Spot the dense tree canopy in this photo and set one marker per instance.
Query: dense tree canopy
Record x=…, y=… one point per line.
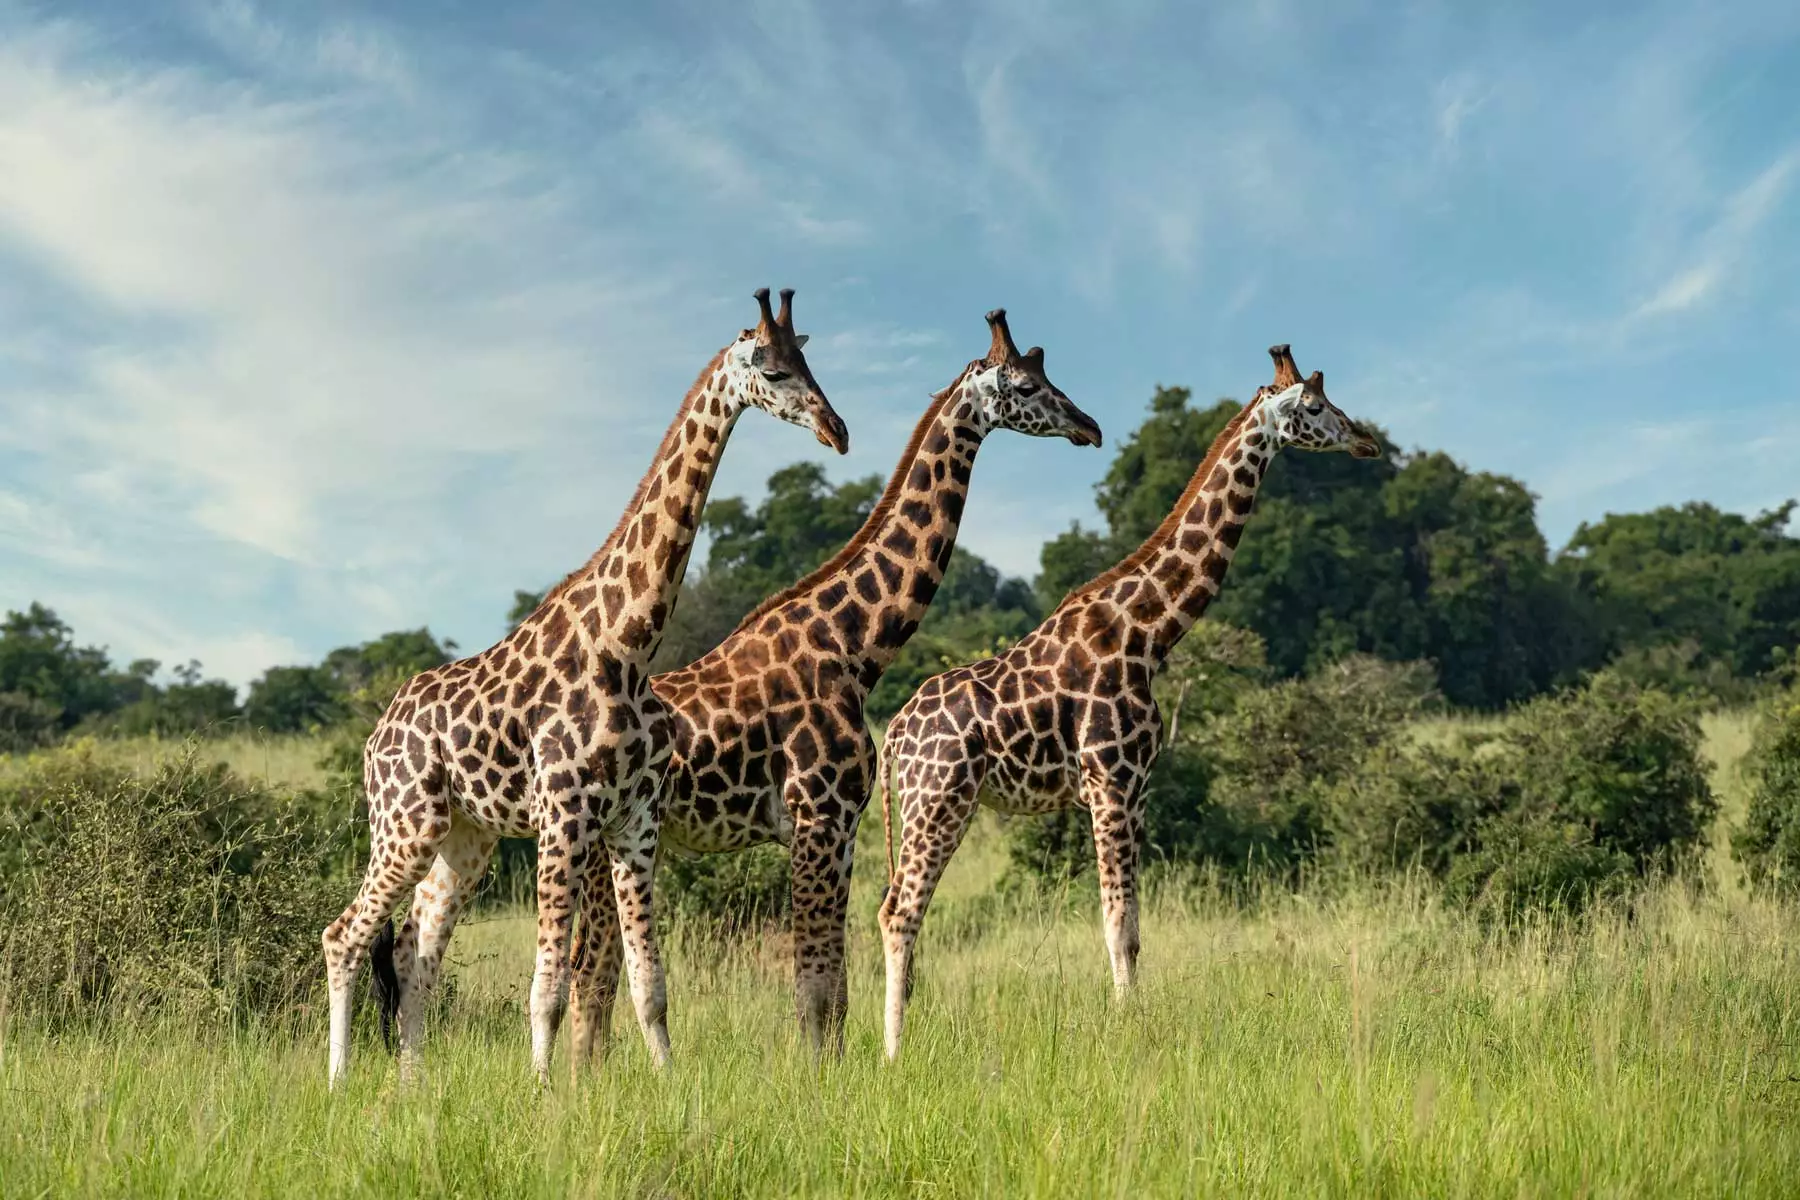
x=1727, y=584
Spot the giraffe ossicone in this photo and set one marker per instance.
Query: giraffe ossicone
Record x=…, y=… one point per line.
x=770, y=742
x=554, y=733
x=1065, y=715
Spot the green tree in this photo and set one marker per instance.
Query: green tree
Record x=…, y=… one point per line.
x=1729, y=584
x=402, y=653
x=294, y=699
x=190, y=704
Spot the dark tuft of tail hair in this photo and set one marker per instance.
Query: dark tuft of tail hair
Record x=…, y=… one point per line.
x=385, y=982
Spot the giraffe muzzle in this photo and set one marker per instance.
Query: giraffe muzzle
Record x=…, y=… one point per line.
x=1083, y=429
x=831, y=431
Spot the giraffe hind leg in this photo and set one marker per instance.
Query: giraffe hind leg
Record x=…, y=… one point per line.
x=598, y=955
x=633, y=853
x=398, y=859
x=934, y=816
x=438, y=901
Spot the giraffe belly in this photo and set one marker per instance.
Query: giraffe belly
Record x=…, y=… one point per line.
x=1017, y=791
x=711, y=823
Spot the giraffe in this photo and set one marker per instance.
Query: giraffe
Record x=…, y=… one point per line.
x=1065, y=715
x=770, y=743
x=554, y=732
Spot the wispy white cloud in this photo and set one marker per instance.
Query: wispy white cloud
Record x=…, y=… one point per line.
x=1725, y=249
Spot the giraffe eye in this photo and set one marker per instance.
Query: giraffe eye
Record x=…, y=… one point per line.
x=1026, y=388
x=774, y=376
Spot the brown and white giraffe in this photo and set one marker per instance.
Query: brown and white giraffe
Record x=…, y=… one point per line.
x=1065, y=715
x=770, y=743
x=554, y=732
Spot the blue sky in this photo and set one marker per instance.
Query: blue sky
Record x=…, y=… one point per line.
x=318, y=321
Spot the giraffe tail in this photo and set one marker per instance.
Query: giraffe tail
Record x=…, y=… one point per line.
x=385, y=981
x=884, y=779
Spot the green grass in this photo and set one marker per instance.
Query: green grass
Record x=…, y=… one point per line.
x=280, y=760
x=1374, y=1043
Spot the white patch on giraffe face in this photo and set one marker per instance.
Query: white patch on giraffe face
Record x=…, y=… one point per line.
x=1011, y=396
x=1306, y=420
x=779, y=384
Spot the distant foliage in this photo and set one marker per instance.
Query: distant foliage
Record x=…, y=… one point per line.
x=1570, y=798
x=1727, y=584
x=187, y=890
x=49, y=685
x=733, y=894
x=295, y=699
x=1768, y=844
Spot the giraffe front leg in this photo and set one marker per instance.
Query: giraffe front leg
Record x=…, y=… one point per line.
x=932, y=825
x=1118, y=824
x=563, y=851
x=599, y=953
x=822, y=850
x=634, y=875
x=438, y=902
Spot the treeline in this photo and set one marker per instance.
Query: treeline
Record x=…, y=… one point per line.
x=50, y=686
x=1410, y=558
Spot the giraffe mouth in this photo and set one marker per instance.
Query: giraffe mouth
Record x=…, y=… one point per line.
x=831, y=431
x=1365, y=447
x=1084, y=431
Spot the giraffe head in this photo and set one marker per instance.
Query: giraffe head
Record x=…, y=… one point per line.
x=1012, y=391
x=1301, y=416
x=765, y=369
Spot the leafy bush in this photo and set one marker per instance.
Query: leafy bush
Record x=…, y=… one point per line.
x=1573, y=797
x=1624, y=762
x=1419, y=806
x=1679, y=669
x=1243, y=787
x=1768, y=844
x=186, y=890
x=730, y=894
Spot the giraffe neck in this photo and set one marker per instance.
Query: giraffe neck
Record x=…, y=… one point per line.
x=876, y=589
x=621, y=599
x=1167, y=583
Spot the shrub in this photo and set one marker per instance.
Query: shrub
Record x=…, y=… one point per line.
x=729, y=894
x=1419, y=806
x=1571, y=798
x=1244, y=787
x=1680, y=669
x=1623, y=762
x=187, y=890
x=1529, y=861
x=1768, y=843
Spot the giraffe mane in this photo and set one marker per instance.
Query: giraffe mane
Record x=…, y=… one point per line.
x=1171, y=523
x=637, y=497
x=890, y=496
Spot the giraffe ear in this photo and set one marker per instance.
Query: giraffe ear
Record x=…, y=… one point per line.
x=800, y=340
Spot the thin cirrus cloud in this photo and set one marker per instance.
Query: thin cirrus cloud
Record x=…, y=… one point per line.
x=314, y=326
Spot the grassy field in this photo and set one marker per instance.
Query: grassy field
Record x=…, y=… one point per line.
x=1366, y=1044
